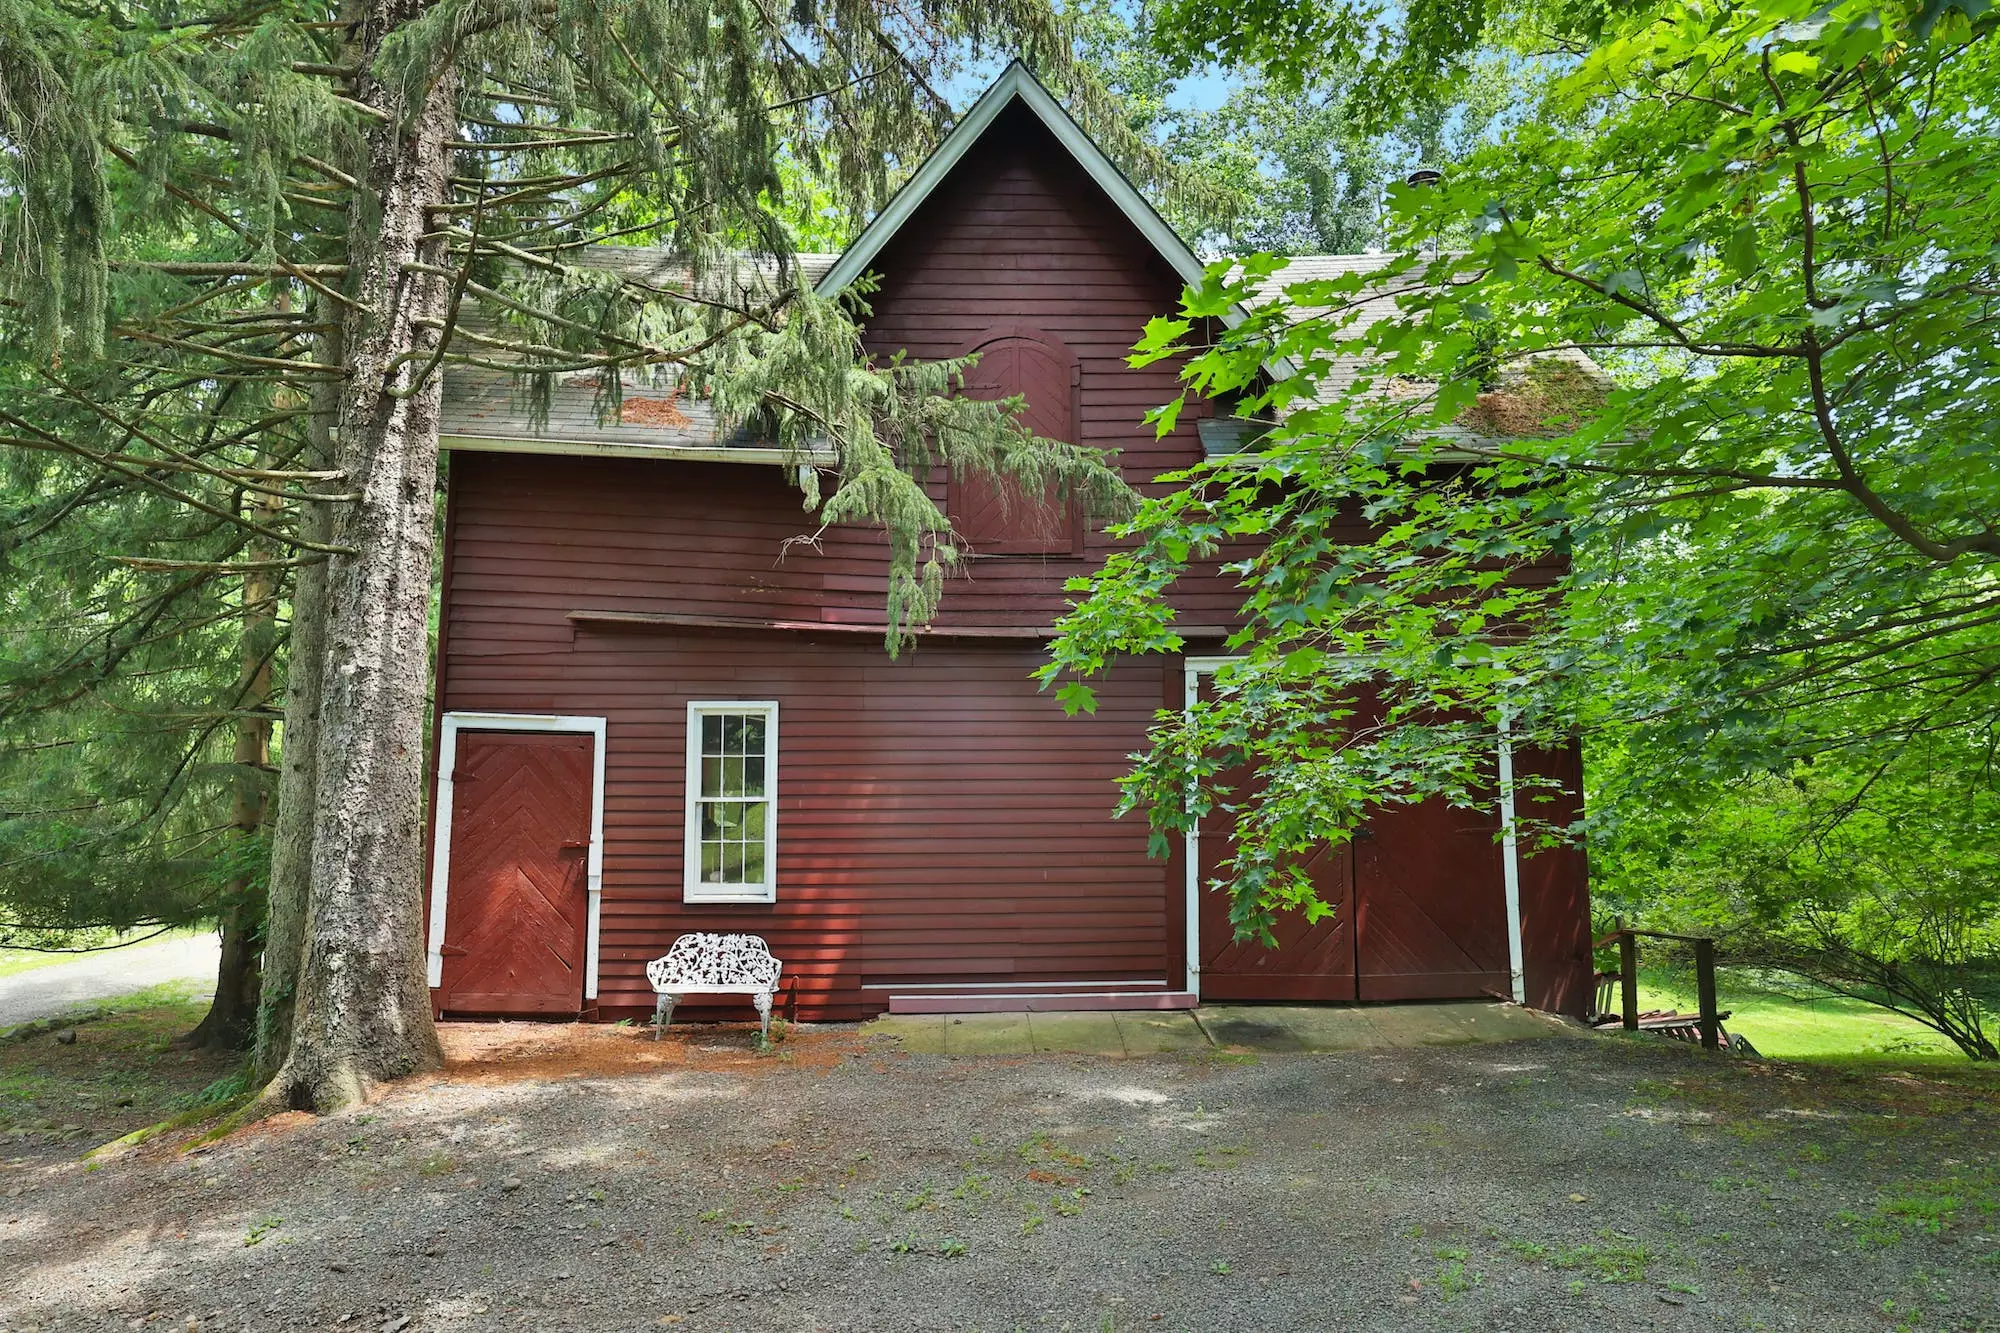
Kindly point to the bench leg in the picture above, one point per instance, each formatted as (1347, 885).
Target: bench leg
(762, 999)
(663, 1013)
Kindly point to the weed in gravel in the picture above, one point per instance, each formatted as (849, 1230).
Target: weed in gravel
(948, 1248)
(261, 1228)
(437, 1164)
(1615, 1258)
(1220, 1268)
(1454, 1279)
(1032, 1223)
(1528, 1250)
(973, 1188)
(923, 1198)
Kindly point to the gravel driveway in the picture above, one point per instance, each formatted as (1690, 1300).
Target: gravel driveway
(46, 991)
(588, 1179)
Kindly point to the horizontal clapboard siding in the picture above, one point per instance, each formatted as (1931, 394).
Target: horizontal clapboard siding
(940, 820)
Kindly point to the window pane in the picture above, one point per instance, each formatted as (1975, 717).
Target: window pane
(711, 823)
(753, 862)
(732, 863)
(753, 733)
(711, 862)
(711, 733)
(711, 777)
(732, 777)
(753, 774)
(732, 733)
(753, 822)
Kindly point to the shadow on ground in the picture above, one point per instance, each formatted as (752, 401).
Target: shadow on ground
(584, 1178)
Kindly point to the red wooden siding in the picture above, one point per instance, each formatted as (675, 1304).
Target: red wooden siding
(940, 819)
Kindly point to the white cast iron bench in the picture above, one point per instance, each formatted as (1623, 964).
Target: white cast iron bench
(710, 964)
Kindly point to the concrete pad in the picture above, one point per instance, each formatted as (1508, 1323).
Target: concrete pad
(1085, 1034)
(1422, 1024)
(1257, 1027)
(1160, 1033)
(921, 1034)
(1342, 1028)
(987, 1034)
(1510, 1022)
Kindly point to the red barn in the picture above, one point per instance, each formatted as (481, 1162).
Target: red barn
(655, 717)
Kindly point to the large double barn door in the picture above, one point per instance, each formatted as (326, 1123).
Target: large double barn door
(1419, 901)
(516, 905)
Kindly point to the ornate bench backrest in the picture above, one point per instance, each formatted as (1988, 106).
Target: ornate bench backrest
(705, 959)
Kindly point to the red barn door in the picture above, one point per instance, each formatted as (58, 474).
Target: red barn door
(1314, 960)
(517, 896)
(1420, 912)
(1430, 904)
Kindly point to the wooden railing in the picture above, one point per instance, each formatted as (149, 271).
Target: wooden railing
(1627, 940)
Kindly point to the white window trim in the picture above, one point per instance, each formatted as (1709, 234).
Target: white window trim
(692, 889)
(441, 849)
(1510, 865)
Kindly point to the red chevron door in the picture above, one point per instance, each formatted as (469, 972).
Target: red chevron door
(517, 898)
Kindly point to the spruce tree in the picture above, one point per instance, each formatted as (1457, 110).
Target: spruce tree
(393, 166)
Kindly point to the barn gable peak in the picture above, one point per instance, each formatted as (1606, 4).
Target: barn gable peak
(1015, 85)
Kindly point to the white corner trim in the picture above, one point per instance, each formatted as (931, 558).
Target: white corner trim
(1192, 668)
(692, 889)
(447, 761)
(1510, 864)
(1016, 82)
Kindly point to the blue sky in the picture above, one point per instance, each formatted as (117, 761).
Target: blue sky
(1202, 91)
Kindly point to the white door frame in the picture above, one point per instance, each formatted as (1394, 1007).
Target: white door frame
(441, 848)
(1510, 864)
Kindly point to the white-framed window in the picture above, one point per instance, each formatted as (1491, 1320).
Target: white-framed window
(732, 803)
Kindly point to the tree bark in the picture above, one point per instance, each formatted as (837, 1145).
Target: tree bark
(232, 1015)
(292, 837)
(363, 1010)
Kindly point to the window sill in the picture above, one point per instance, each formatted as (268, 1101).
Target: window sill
(727, 896)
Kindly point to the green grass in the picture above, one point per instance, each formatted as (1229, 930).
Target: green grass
(121, 1073)
(1796, 1025)
(13, 961)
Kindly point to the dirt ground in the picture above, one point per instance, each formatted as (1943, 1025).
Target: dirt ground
(585, 1178)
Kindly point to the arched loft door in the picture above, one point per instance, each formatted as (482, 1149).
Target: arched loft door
(997, 517)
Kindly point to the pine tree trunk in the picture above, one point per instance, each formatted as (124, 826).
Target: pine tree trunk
(363, 1011)
(292, 836)
(232, 1014)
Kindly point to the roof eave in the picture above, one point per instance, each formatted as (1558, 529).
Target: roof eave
(1015, 83)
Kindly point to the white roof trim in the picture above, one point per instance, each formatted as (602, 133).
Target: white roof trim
(1017, 82)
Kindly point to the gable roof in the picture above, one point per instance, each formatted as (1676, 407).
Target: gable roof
(1015, 85)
